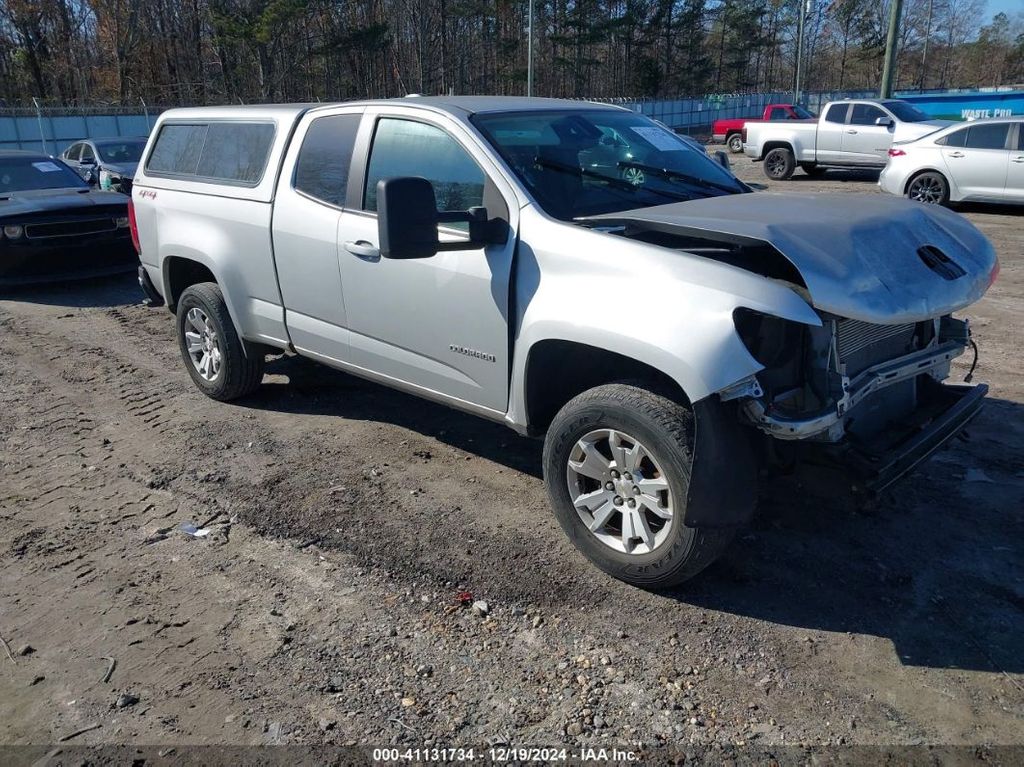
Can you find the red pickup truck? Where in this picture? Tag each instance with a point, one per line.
(731, 131)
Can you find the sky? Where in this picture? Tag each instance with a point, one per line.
(1006, 6)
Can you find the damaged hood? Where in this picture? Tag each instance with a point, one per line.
(860, 256)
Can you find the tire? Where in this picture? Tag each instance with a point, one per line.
(664, 431)
(929, 187)
(814, 171)
(230, 373)
(779, 164)
(735, 143)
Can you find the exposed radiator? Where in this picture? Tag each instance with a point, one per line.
(863, 344)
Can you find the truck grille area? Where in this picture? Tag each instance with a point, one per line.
(69, 228)
(863, 344)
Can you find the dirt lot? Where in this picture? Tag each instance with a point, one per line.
(345, 518)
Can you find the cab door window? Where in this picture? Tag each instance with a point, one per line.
(410, 148)
(778, 113)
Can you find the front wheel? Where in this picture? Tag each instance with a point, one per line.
(735, 143)
(210, 346)
(779, 164)
(929, 187)
(617, 467)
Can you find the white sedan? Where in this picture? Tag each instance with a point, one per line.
(979, 161)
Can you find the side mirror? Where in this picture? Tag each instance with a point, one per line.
(885, 122)
(723, 159)
(407, 220)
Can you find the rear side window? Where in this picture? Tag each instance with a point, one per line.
(232, 152)
(836, 113)
(956, 138)
(987, 136)
(321, 170)
(778, 113)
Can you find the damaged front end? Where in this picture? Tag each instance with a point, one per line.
(863, 390)
(869, 398)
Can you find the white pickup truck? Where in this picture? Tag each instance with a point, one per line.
(849, 134)
(670, 334)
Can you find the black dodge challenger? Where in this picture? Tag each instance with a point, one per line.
(54, 226)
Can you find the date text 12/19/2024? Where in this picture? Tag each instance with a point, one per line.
(503, 754)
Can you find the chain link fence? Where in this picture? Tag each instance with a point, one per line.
(51, 129)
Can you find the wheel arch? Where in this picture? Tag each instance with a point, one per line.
(776, 144)
(179, 273)
(558, 369)
(929, 169)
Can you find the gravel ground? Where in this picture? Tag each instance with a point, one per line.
(327, 604)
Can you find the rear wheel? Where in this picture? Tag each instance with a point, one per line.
(617, 467)
(735, 143)
(212, 351)
(929, 187)
(779, 164)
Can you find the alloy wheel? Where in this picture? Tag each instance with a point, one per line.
(620, 492)
(203, 344)
(635, 176)
(776, 165)
(927, 189)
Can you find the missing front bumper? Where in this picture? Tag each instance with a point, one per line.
(874, 465)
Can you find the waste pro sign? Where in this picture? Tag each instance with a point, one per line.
(968, 106)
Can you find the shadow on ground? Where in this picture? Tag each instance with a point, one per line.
(99, 292)
(935, 566)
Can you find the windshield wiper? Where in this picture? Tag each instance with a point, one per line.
(611, 180)
(674, 175)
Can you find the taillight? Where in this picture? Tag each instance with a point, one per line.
(896, 153)
(134, 227)
(994, 274)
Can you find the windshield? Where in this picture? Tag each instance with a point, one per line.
(121, 151)
(905, 112)
(585, 162)
(20, 174)
(802, 113)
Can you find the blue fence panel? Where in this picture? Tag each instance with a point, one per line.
(55, 133)
(697, 115)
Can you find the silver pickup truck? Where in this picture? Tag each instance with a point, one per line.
(672, 335)
(849, 134)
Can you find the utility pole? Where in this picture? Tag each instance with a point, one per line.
(891, 40)
(39, 119)
(924, 57)
(529, 53)
(801, 23)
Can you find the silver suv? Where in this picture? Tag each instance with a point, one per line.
(670, 334)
